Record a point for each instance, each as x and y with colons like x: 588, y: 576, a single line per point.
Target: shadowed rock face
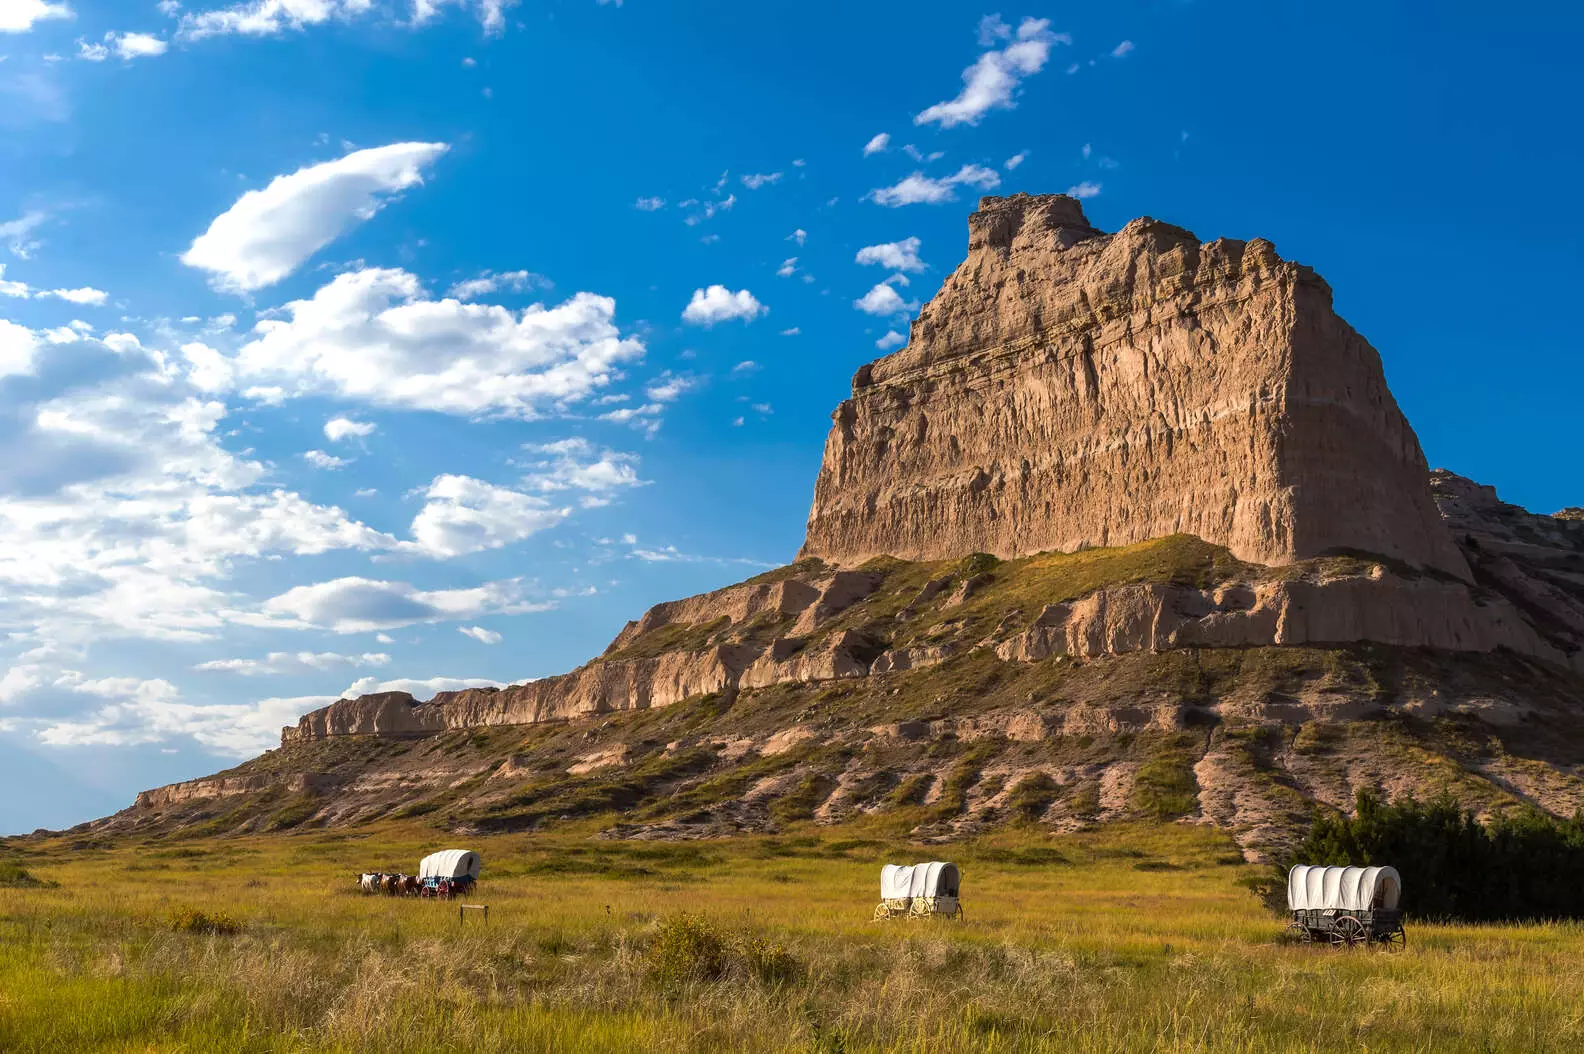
x: 1070, y: 388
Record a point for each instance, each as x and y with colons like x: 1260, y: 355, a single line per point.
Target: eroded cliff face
x: 812, y: 624
x: 1070, y: 388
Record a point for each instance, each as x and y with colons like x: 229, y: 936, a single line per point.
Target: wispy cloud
x: 992, y: 81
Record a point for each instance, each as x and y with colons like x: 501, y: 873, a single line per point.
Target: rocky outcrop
x: 1535, y: 562
x: 1070, y: 388
x: 1420, y: 612
x: 210, y: 787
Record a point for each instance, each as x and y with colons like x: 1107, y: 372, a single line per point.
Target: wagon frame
x: 922, y: 891
x: 1345, y: 907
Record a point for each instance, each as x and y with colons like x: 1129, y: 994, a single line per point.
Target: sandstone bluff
x: 1131, y: 526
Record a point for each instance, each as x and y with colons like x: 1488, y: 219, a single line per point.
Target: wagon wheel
x: 1395, y: 940
x: 1297, y: 933
x: 1349, y: 932
x: 881, y: 912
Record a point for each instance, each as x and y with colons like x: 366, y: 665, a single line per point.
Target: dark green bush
x: 1524, y: 865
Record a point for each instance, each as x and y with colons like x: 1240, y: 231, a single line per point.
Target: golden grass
x: 1127, y: 938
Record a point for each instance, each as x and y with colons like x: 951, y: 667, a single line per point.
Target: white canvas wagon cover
x: 450, y: 863
x: 935, y: 879
x: 1312, y: 888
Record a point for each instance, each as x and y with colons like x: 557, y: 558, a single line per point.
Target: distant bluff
x: 1069, y: 388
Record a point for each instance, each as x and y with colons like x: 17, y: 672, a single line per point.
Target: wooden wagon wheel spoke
x: 1396, y: 940
x: 1349, y: 932
x: 1297, y: 933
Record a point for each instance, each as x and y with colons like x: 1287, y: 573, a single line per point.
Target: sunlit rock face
x: 1070, y: 388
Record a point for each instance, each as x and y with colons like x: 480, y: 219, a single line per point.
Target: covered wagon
x: 449, y: 872
x: 1345, y: 906
x: 919, y: 891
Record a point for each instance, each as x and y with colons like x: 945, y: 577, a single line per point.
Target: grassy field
x: 1124, y: 938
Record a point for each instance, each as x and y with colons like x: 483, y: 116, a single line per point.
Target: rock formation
x: 1070, y: 388
x: 1221, y: 556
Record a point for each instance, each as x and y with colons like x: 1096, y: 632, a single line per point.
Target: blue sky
x: 347, y: 344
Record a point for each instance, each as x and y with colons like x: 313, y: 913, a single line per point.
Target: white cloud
x: 19, y: 16
x: 918, y: 155
x: 877, y: 144
x: 992, y: 29
x: 268, y: 233
x: 122, y: 512
x: 627, y: 414
x: 1122, y: 49
x: 207, y: 370
x: 18, y: 233
x: 129, y: 46
x: 18, y: 346
x: 1015, y: 160
x: 480, y: 634
x: 371, y: 336
x: 18, y: 682
x: 420, y: 689
x: 362, y: 605
x: 265, y: 18
x: 757, y: 180
x: 319, y: 459
x: 719, y: 304
x: 892, y: 339
x: 649, y: 204
x: 152, y: 711
x: 710, y: 207
x: 800, y: 236
x: 489, y: 281
x: 883, y: 299
x: 575, y: 464
x: 10, y: 287
x: 918, y: 188
x: 92, y: 52
x: 290, y: 662
x: 1086, y: 189
x: 465, y: 515
x: 794, y: 331
x: 85, y: 295
x: 897, y: 256
x: 788, y: 267
x: 992, y: 80
x: 668, y: 386
x: 745, y: 366
x: 339, y: 428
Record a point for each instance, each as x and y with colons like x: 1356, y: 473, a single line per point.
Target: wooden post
x: 463, y: 909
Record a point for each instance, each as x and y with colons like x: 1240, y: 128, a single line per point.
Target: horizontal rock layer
x: 1070, y: 388
x: 1378, y: 606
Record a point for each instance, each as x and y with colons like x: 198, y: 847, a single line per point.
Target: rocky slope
x: 1132, y: 527
x: 1166, y: 680
x: 1068, y: 387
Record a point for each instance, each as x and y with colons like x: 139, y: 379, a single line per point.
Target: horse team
x: 390, y: 885
x: 413, y: 886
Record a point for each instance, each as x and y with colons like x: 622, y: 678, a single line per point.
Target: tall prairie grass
x: 1123, y: 939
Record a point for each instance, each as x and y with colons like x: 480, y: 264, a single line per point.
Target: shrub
x: 687, y: 947
x: 1525, y: 865
x: 769, y: 960
x: 191, y: 920
x: 15, y: 876
x: 1031, y: 796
